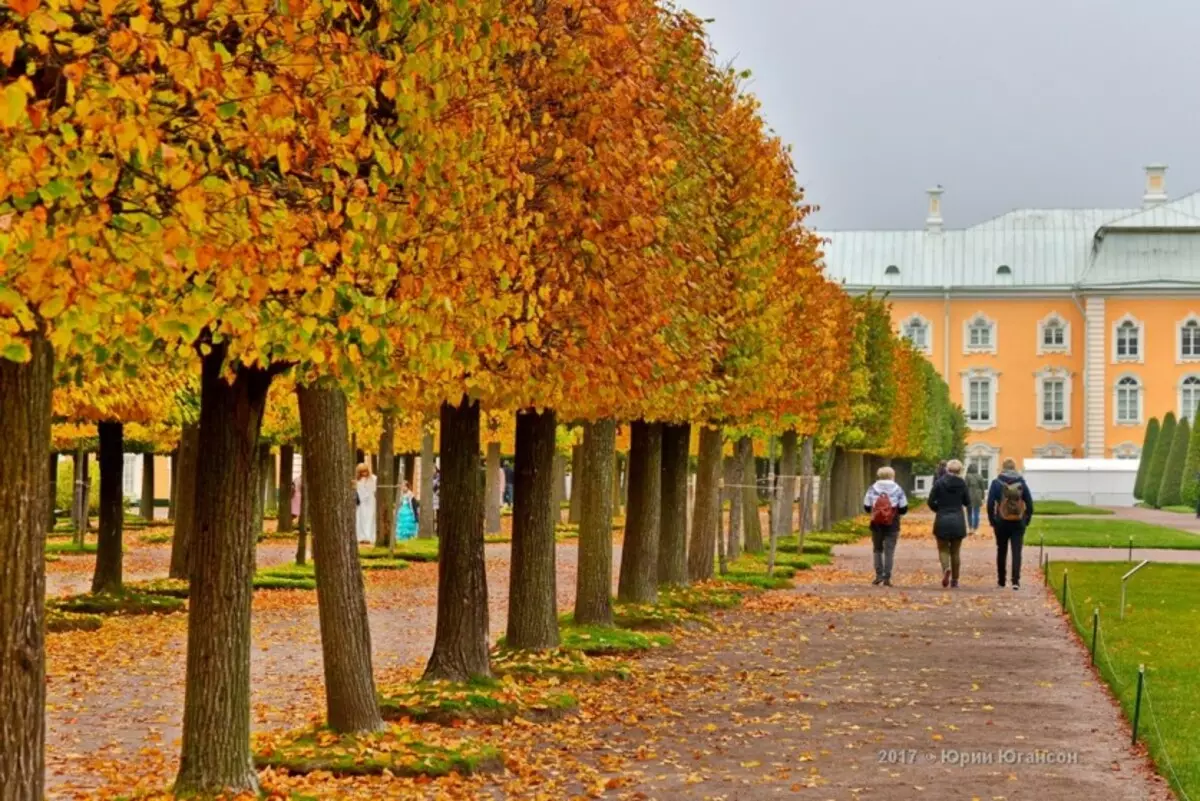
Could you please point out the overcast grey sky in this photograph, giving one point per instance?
(1021, 103)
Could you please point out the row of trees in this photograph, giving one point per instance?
(536, 211)
(1169, 470)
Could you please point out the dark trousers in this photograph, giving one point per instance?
(1007, 537)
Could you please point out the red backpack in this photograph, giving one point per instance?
(883, 513)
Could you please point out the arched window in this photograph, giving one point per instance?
(916, 331)
(892, 270)
(1189, 340)
(1189, 397)
(1129, 341)
(1129, 400)
(1004, 270)
(1054, 334)
(981, 335)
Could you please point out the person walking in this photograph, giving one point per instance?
(886, 503)
(364, 499)
(1010, 510)
(406, 514)
(949, 499)
(978, 488)
(940, 473)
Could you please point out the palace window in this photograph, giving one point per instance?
(1127, 340)
(1128, 401)
(979, 389)
(1189, 397)
(892, 270)
(979, 335)
(1054, 335)
(916, 329)
(1054, 394)
(1189, 340)
(983, 458)
(1127, 450)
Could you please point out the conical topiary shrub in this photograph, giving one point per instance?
(1191, 470)
(1139, 484)
(1172, 479)
(1158, 461)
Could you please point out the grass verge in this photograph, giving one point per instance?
(1107, 534)
(1055, 508)
(394, 750)
(480, 701)
(128, 602)
(414, 550)
(58, 621)
(69, 548)
(558, 665)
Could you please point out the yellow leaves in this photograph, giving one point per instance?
(388, 88)
(24, 7)
(10, 39)
(107, 7)
(12, 103)
(283, 153)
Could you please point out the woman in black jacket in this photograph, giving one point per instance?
(949, 500)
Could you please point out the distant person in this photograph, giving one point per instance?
(949, 499)
(437, 495)
(886, 503)
(296, 498)
(508, 483)
(940, 473)
(978, 488)
(364, 499)
(1010, 509)
(406, 515)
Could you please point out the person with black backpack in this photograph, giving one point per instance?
(1010, 509)
(886, 503)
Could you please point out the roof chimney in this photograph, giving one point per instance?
(1156, 185)
(933, 222)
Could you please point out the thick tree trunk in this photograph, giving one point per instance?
(616, 484)
(427, 525)
(786, 504)
(827, 495)
(216, 716)
(460, 647)
(575, 512)
(24, 450)
(287, 465)
(302, 525)
(146, 504)
(410, 469)
(594, 482)
(734, 467)
(532, 604)
(560, 485)
(350, 703)
(385, 490)
(107, 576)
(79, 495)
(639, 551)
(706, 521)
(185, 501)
(806, 487)
(53, 490)
(752, 534)
(673, 525)
(493, 491)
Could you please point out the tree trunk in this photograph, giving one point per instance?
(216, 715)
(107, 576)
(350, 703)
(560, 486)
(302, 525)
(532, 604)
(287, 466)
(410, 469)
(734, 467)
(385, 488)
(271, 485)
(24, 450)
(575, 512)
(672, 536)
(79, 495)
(460, 646)
(53, 490)
(493, 491)
(826, 502)
(594, 482)
(786, 504)
(752, 534)
(639, 551)
(185, 501)
(172, 496)
(146, 503)
(706, 521)
(806, 488)
(427, 524)
(616, 483)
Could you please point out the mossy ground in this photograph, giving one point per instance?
(395, 750)
(58, 621)
(482, 701)
(414, 550)
(67, 547)
(602, 640)
(558, 665)
(127, 602)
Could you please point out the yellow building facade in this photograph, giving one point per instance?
(1061, 332)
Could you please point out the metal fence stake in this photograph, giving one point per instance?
(1095, 632)
(1137, 704)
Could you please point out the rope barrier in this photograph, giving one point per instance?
(1163, 743)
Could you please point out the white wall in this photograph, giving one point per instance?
(1091, 482)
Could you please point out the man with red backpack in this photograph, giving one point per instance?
(886, 503)
(1010, 509)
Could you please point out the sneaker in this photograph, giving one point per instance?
(1002, 584)
(946, 579)
(1016, 586)
(878, 580)
(953, 582)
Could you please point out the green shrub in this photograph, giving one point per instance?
(394, 751)
(64, 488)
(1139, 484)
(1169, 492)
(1158, 461)
(1190, 490)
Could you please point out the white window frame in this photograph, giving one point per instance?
(985, 452)
(1181, 409)
(1127, 450)
(1140, 358)
(1191, 319)
(1141, 400)
(978, 374)
(1039, 388)
(917, 319)
(980, 319)
(1054, 450)
(1057, 319)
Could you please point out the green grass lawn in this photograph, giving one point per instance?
(1107, 534)
(1067, 508)
(1162, 606)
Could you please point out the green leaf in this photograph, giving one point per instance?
(15, 351)
(227, 110)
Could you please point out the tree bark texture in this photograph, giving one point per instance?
(673, 527)
(185, 501)
(493, 490)
(172, 497)
(410, 469)
(637, 582)
(532, 604)
(216, 716)
(752, 533)
(427, 524)
(733, 482)
(53, 490)
(386, 488)
(806, 486)
(460, 647)
(594, 483)
(24, 450)
(107, 575)
(706, 520)
(350, 702)
(146, 504)
(287, 465)
(786, 500)
(616, 484)
(302, 525)
(575, 511)
(79, 495)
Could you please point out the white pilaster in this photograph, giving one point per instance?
(1095, 355)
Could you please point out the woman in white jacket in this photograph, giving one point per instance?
(364, 488)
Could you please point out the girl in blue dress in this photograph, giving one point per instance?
(406, 515)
